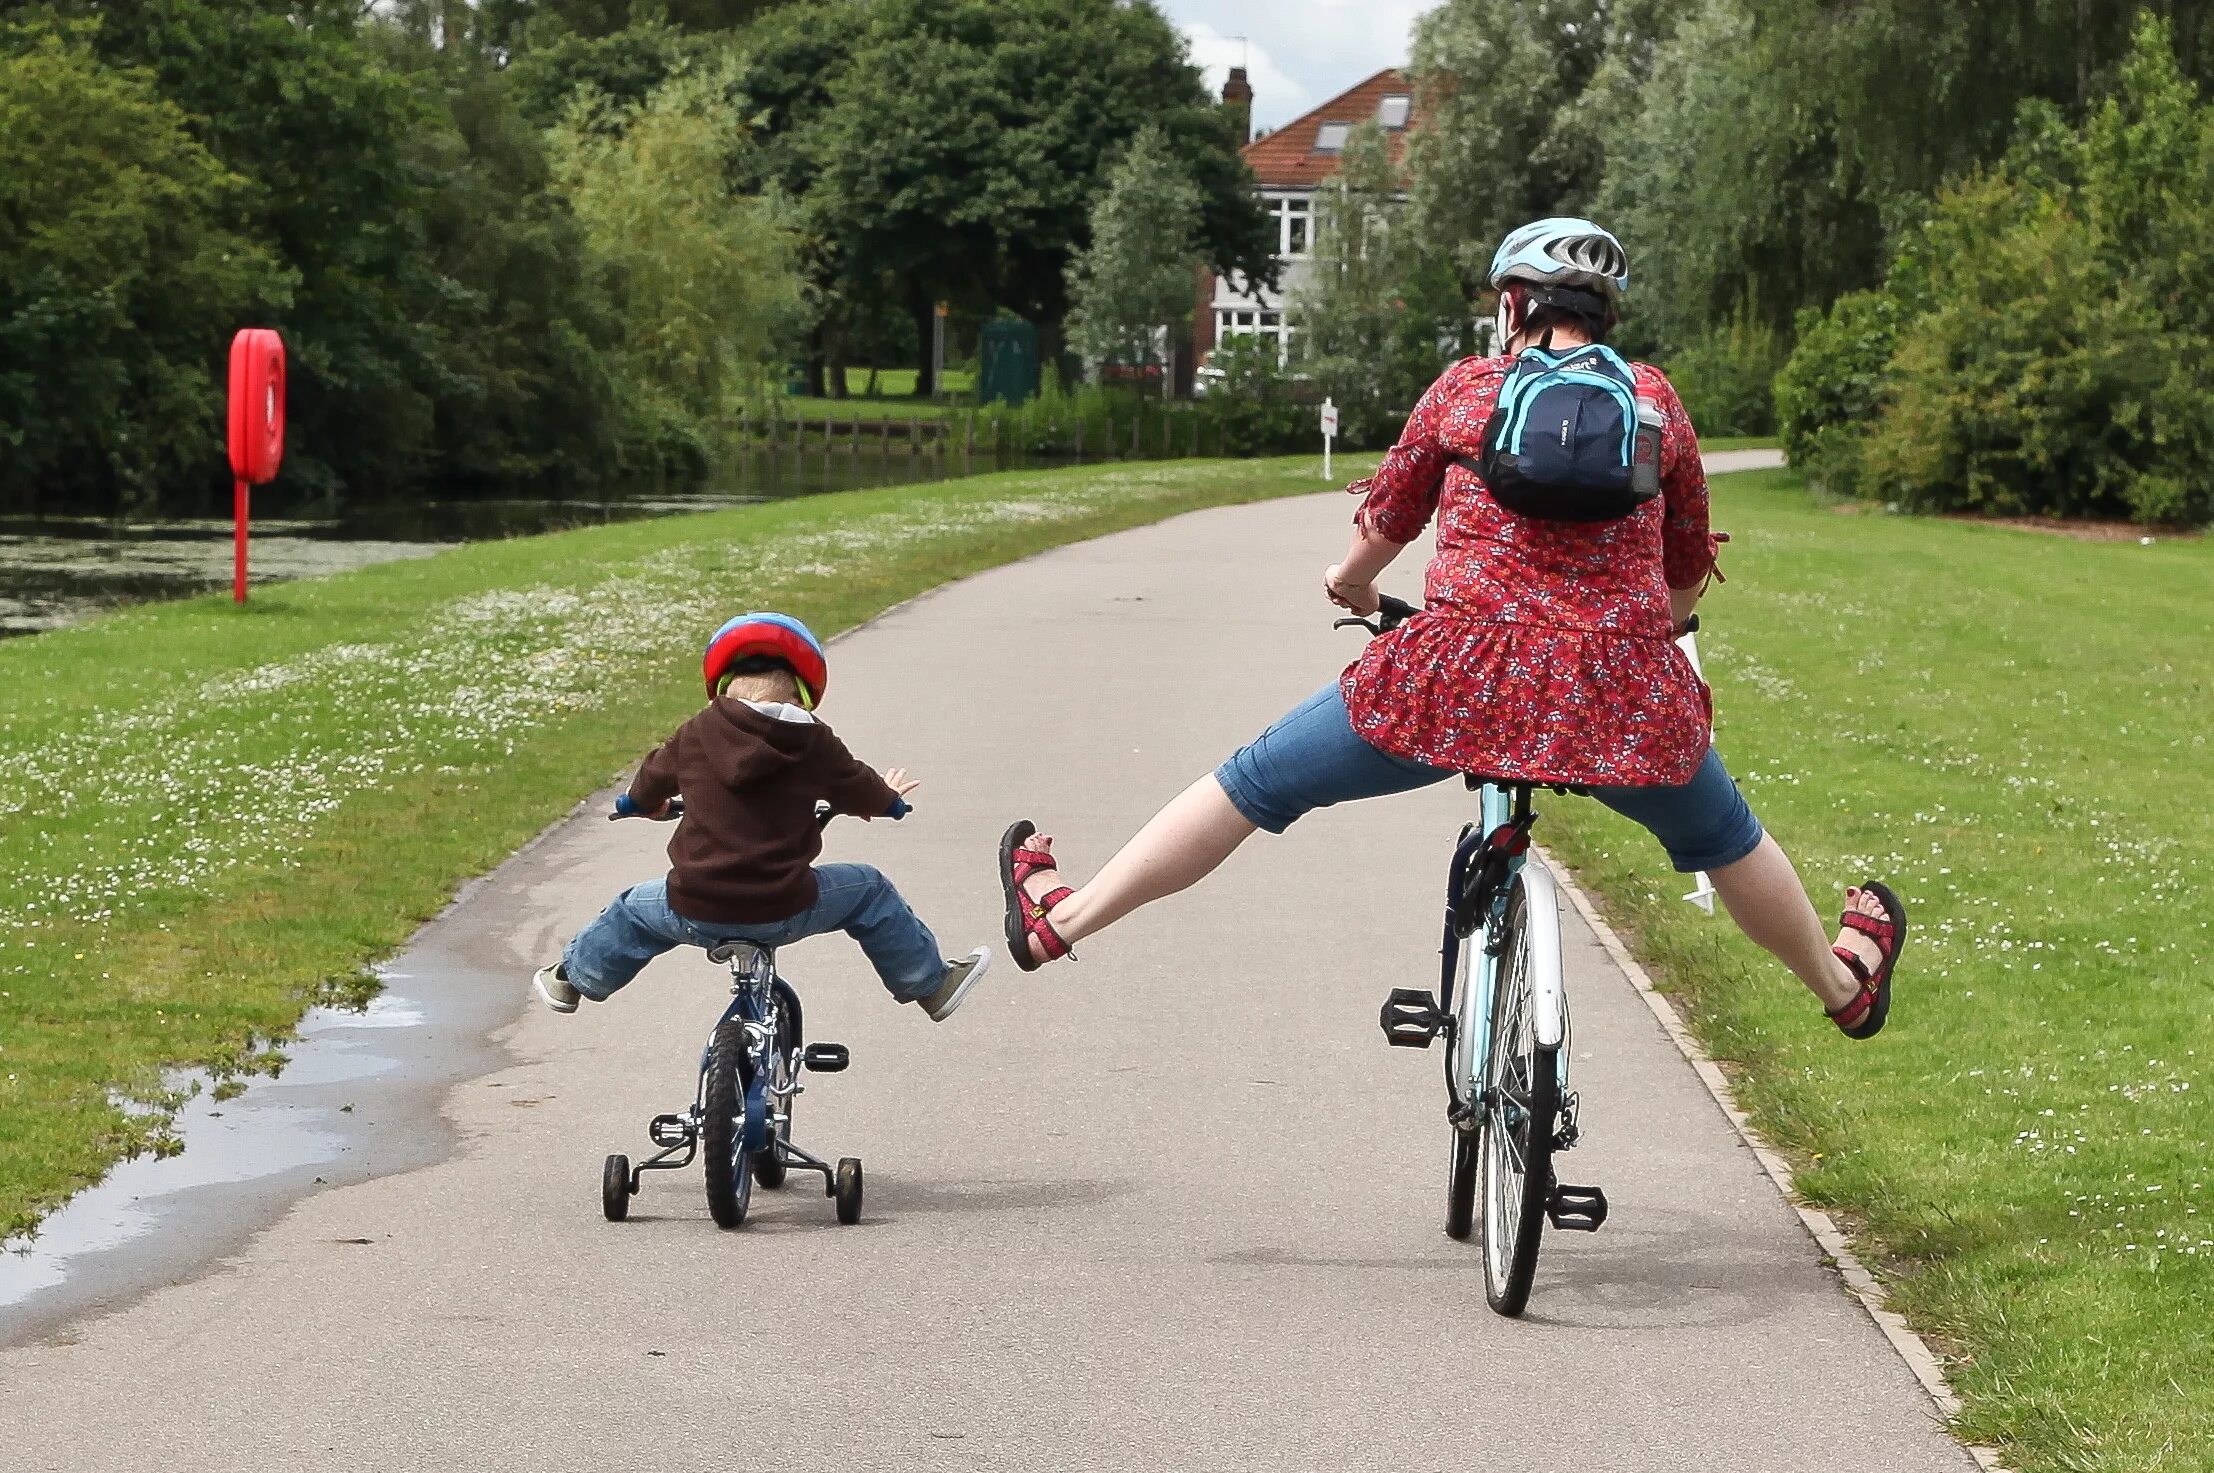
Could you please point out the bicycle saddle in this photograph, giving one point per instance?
(1476, 780)
(743, 951)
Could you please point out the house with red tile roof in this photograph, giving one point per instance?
(1290, 167)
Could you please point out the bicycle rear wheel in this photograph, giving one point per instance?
(723, 1125)
(1521, 1105)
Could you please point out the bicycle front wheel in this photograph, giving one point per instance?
(1521, 1105)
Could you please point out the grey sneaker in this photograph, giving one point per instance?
(553, 985)
(960, 977)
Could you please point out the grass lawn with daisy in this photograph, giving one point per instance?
(2015, 730)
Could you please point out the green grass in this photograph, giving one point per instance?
(1739, 442)
(211, 817)
(2013, 730)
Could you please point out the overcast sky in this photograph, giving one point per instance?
(1298, 53)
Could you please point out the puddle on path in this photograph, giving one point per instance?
(359, 1098)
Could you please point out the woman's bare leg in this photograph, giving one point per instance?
(1763, 894)
(1178, 847)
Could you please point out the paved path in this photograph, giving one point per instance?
(1174, 1207)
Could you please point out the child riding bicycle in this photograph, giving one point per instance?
(749, 770)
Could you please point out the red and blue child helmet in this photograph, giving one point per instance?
(778, 636)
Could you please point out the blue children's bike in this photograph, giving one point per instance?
(1502, 1009)
(740, 1119)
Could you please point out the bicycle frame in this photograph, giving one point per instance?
(1468, 1053)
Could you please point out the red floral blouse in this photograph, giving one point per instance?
(1545, 652)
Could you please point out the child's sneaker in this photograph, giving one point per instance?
(553, 985)
(960, 977)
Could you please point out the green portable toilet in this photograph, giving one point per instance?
(1006, 362)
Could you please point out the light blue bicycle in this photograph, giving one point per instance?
(1502, 1009)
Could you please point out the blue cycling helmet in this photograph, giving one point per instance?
(1564, 252)
(779, 636)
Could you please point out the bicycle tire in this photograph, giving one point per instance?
(768, 1163)
(1521, 1104)
(723, 1126)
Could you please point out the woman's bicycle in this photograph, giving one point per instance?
(740, 1119)
(1502, 1009)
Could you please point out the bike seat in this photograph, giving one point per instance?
(1477, 780)
(746, 952)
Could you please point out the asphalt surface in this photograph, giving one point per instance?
(1173, 1206)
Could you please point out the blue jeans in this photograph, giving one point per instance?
(1313, 758)
(638, 926)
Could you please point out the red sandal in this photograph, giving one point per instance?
(1864, 1016)
(1026, 917)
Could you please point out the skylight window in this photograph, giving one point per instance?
(1330, 137)
(1392, 111)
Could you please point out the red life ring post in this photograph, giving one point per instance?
(256, 431)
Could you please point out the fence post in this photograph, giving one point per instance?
(1135, 425)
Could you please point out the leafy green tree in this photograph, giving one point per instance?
(1727, 190)
(703, 276)
(1375, 320)
(1136, 276)
(966, 140)
(123, 268)
(299, 100)
(1502, 142)
(526, 391)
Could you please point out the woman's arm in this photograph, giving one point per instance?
(1350, 582)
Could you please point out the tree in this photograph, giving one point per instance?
(1372, 321)
(965, 142)
(702, 275)
(1501, 142)
(1136, 275)
(123, 268)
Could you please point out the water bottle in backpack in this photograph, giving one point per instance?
(1570, 440)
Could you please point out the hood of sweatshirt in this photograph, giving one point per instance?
(756, 746)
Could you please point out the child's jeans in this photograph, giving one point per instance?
(638, 926)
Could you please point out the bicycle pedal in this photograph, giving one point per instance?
(826, 1058)
(1576, 1209)
(669, 1130)
(1410, 1019)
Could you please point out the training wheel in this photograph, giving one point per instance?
(615, 1188)
(847, 1189)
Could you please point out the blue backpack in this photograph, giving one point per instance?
(1563, 442)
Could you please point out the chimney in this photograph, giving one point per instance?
(1237, 95)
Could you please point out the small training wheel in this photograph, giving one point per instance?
(847, 1189)
(615, 1188)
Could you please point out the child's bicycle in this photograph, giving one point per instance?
(740, 1119)
(1502, 1008)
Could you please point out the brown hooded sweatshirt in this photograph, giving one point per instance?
(745, 851)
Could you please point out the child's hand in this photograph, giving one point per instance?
(899, 782)
(1361, 598)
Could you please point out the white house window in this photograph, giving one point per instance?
(1294, 225)
(1392, 111)
(1233, 322)
(1330, 137)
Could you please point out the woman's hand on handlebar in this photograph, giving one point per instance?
(1361, 598)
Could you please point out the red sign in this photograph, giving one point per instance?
(256, 430)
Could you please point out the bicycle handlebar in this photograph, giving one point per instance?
(674, 810)
(1393, 612)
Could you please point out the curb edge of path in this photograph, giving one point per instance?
(1864, 1286)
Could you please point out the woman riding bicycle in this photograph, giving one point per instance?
(1546, 654)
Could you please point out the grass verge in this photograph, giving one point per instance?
(1739, 442)
(210, 817)
(2011, 729)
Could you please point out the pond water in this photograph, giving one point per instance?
(55, 570)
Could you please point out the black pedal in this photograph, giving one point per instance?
(1576, 1209)
(1410, 1019)
(670, 1130)
(826, 1058)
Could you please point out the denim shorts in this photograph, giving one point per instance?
(1313, 758)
